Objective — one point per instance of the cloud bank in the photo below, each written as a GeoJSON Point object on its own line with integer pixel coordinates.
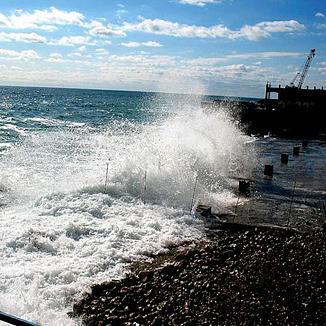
{"type": "Point", "coordinates": [251, 32]}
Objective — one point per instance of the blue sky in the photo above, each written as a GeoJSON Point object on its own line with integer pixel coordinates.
{"type": "Point", "coordinates": [222, 47]}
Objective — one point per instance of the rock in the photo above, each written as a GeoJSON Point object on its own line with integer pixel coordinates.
{"type": "Point", "coordinates": [78, 308]}
{"type": "Point", "coordinates": [114, 321]}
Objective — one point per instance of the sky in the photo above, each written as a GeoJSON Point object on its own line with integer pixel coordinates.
{"type": "Point", "coordinates": [218, 47]}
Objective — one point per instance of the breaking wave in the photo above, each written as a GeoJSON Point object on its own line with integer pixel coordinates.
{"type": "Point", "coordinates": [81, 203]}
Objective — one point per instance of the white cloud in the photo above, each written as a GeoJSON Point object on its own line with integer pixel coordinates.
{"type": "Point", "coordinates": [215, 61]}
{"type": "Point", "coordinates": [41, 19]}
{"type": "Point", "coordinates": [82, 48]}
{"type": "Point", "coordinates": [56, 55]}
{"type": "Point", "coordinates": [163, 27]}
{"type": "Point", "coordinates": [319, 14]}
{"type": "Point", "coordinates": [73, 40]}
{"type": "Point", "coordinates": [203, 61]}
{"type": "Point", "coordinates": [75, 54]}
{"type": "Point", "coordinates": [199, 3]}
{"type": "Point", "coordinates": [96, 28]}
{"type": "Point", "coordinates": [16, 55]}
{"type": "Point", "coordinates": [107, 31]}
{"type": "Point", "coordinates": [131, 44]}
{"type": "Point", "coordinates": [280, 26]}
{"type": "Point", "coordinates": [255, 32]}
{"type": "Point", "coordinates": [265, 29]}
{"type": "Point", "coordinates": [263, 55]}
{"type": "Point", "coordinates": [101, 51]}
{"type": "Point", "coordinates": [144, 60]}
{"type": "Point", "coordinates": [151, 44]}
{"type": "Point", "coordinates": [22, 37]}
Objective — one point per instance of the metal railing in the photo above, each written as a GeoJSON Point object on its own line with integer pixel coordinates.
{"type": "Point", "coordinates": [13, 320]}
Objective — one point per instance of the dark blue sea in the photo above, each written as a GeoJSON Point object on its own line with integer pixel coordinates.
{"type": "Point", "coordinates": [92, 180]}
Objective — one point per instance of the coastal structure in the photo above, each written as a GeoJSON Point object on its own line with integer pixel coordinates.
{"type": "Point", "coordinates": [292, 110]}
{"type": "Point", "coordinates": [289, 111]}
{"type": "Point", "coordinates": [294, 98]}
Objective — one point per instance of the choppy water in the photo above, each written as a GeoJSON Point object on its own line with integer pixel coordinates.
{"type": "Point", "coordinates": [65, 224]}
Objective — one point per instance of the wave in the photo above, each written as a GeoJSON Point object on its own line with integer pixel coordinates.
{"type": "Point", "coordinates": [54, 122]}
{"type": "Point", "coordinates": [86, 203]}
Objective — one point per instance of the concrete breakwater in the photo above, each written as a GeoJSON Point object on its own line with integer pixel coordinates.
{"type": "Point", "coordinates": [295, 195]}
{"type": "Point", "coordinates": [259, 119]}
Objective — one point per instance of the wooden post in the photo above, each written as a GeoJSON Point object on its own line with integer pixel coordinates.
{"type": "Point", "coordinates": [244, 187]}
{"type": "Point", "coordinates": [269, 170]}
{"type": "Point", "coordinates": [284, 158]}
{"type": "Point", "coordinates": [296, 151]}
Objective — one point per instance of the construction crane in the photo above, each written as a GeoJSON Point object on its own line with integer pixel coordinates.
{"type": "Point", "coordinates": [305, 69]}
{"type": "Point", "coordinates": [292, 84]}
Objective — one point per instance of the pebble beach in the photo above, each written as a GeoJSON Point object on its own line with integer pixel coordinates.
{"type": "Point", "coordinates": [252, 277]}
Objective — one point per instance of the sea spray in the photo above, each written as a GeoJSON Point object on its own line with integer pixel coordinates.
{"type": "Point", "coordinates": [63, 229]}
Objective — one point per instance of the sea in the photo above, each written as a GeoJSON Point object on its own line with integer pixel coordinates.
{"type": "Point", "coordinates": [94, 180]}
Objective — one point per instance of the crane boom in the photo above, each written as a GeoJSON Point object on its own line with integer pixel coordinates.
{"type": "Point", "coordinates": [306, 67]}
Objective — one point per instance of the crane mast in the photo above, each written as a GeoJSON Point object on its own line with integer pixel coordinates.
{"type": "Point", "coordinates": [306, 67]}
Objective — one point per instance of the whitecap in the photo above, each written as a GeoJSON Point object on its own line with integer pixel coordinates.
{"type": "Point", "coordinates": [9, 126]}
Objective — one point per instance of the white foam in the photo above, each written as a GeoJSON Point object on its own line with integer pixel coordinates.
{"type": "Point", "coordinates": [47, 122]}
{"type": "Point", "coordinates": [76, 124]}
{"type": "Point", "coordinates": [5, 146]}
{"type": "Point", "coordinates": [68, 241]}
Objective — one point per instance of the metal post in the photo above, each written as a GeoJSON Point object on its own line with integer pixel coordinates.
{"type": "Point", "coordinates": [193, 194]}
{"type": "Point", "coordinates": [145, 187]}
{"type": "Point", "coordinates": [106, 176]}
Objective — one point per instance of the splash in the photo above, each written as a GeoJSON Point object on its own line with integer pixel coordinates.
{"type": "Point", "coordinates": [81, 204]}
